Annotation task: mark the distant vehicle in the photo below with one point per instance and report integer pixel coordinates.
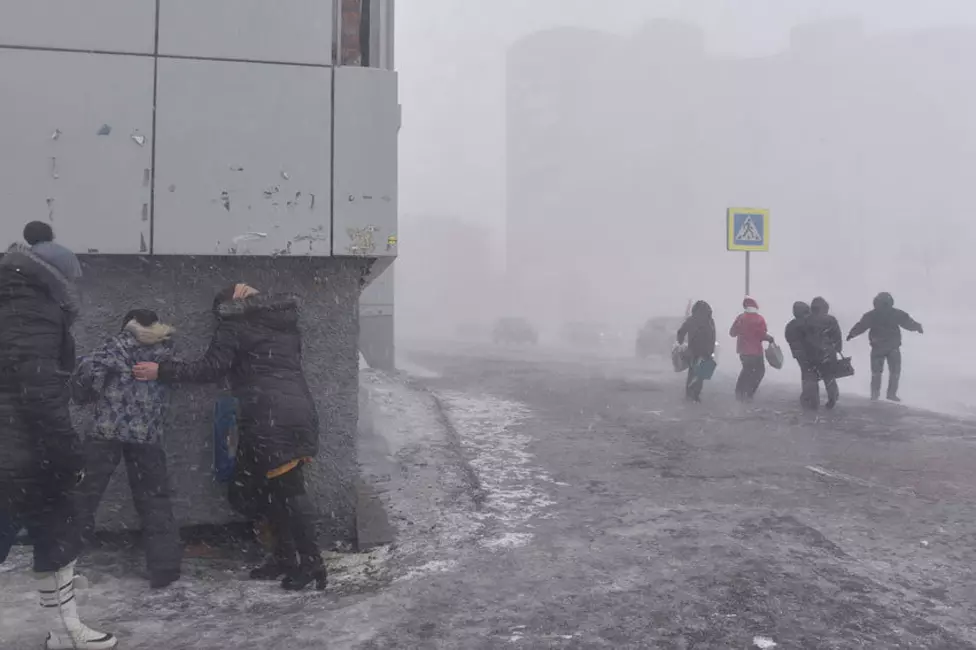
(588, 334)
(657, 336)
(514, 331)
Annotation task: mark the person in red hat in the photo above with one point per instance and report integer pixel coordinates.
(750, 332)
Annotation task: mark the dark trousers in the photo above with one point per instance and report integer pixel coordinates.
(877, 370)
(753, 371)
(47, 511)
(146, 467)
(285, 505)
(810, 376)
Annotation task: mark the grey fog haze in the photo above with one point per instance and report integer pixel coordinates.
(594, 149)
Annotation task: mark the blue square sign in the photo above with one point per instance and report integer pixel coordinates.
(747, 229)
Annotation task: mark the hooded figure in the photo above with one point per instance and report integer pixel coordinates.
(128, 422)
(257, 346)
(750, 332)
(41, 459)
(884, 324)
(824, 344)
(699, 329)
(795, 332)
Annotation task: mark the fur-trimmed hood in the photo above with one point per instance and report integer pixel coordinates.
(277, 311)
(39, 272)
(153, 335)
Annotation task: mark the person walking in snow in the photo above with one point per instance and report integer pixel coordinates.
(128, 424)
(750, 332)
(796, 338)
(884, 324)
(699, 330)
(258, 346)
(825, 344)
(41, 459)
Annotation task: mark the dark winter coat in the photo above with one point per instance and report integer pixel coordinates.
(126, 410)
(258, 347)
(795, 331)
(37, 353)
(699, 329)
(824, 341)
(884, 324)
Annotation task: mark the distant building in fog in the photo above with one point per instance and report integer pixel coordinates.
(623, 153)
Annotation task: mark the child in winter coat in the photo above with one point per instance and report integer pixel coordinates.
(750, 331)
(128, 423)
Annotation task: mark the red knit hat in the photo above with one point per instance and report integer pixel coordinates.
(750, 302)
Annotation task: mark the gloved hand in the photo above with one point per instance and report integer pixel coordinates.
(921, 330)
(850, 338)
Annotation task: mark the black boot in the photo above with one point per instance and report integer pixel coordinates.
(163, 579)
(271, 570)
(300, 578)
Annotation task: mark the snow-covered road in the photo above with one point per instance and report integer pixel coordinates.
(549, 502)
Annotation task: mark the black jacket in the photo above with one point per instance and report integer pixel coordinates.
(258, 347)
(824, 340)
(37, 352)
(699, 329)
(884, 324)
(796, 332)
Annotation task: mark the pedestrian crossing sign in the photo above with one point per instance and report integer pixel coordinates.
(748, 229)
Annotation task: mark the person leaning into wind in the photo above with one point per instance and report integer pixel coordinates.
(258, 346)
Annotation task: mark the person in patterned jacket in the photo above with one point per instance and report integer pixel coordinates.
(128, 422)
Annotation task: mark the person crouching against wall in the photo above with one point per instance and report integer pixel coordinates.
(128, 423)
(258, 346)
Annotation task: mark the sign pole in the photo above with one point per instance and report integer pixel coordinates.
(747, 230)
(748, 260)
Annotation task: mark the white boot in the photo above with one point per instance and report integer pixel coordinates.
(58, 594)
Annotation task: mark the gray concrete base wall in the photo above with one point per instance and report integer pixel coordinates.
(376, 341)
(181, 290)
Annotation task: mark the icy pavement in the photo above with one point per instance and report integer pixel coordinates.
(572, 504)
(456, 479)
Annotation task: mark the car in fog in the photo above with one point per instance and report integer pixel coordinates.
(658, 336)
(588, 334)
(514, 331)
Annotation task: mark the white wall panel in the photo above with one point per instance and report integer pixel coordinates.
(108, 25)
(54, 165)
(242, 159)
(367, 119)
(292, 31)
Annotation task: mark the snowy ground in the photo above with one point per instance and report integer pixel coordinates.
(548, 501)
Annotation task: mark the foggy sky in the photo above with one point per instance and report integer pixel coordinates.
(451, 56)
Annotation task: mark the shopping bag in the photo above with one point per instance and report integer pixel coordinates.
(225, 439)
(705, 369)
(837, 368)
(679, 357)
(774, 356)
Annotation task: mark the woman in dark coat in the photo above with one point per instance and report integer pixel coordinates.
(258, 346)
(41, 460)
(699, 329)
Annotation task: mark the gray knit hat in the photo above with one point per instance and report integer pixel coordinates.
(60, 258)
